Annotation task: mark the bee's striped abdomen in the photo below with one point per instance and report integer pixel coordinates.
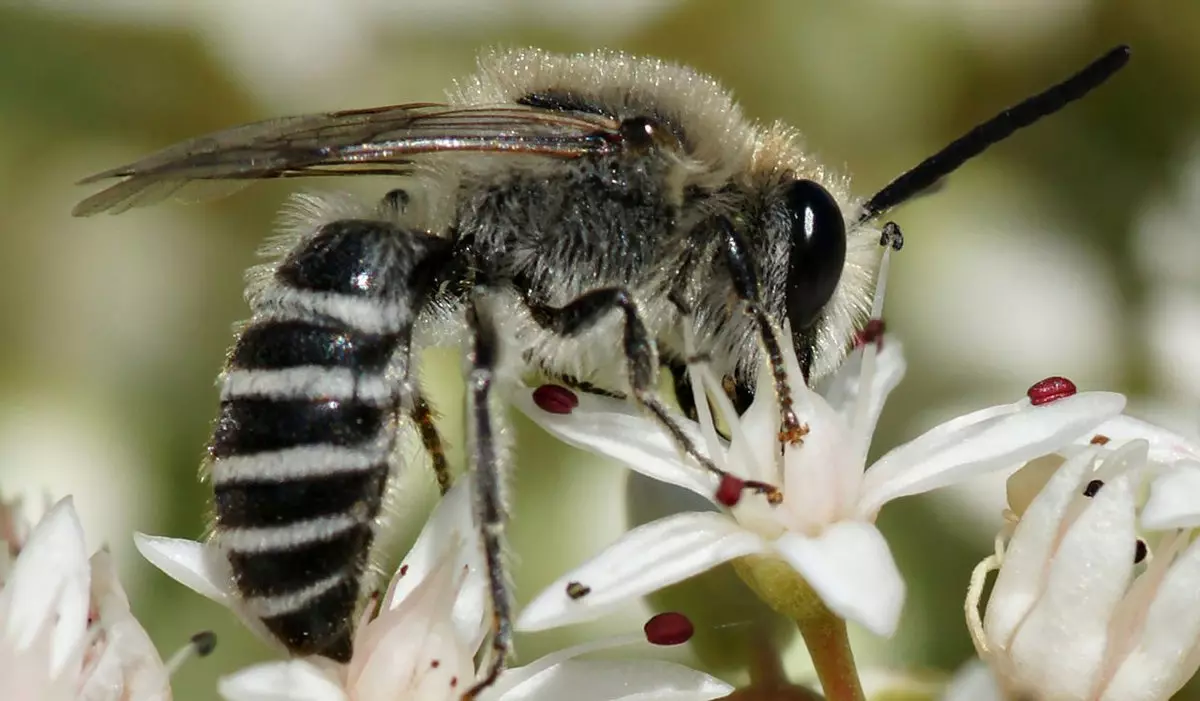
(300, 453)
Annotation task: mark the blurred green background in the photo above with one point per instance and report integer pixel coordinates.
(1070, 249)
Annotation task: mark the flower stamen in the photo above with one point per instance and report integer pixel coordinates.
(667, 629)
(704, 385)
(890, 240)
(555, 399)
(200, 645)
(1051, 389)
(1140, 551)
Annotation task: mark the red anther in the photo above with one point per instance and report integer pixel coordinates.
(729, 492)
(668, 629)
(555, 399)
(871, 332)
(1049, 390)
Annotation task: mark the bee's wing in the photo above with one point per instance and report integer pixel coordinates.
(380, 140)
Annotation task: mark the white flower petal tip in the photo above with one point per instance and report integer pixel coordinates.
(294, 680)
(986, 440)
(48, 588)
(851, 568)
(1166, 446)
(1174, 500)
(192, 564)
(644, 560)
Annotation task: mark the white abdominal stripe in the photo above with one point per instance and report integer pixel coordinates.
(308, 382)
(299, 463)
(282, 604)
(279, 302)
(290, 537)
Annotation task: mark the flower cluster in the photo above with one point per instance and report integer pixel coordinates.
(66, 631)
(1083, 607)
(822, 535)
(1093, 600)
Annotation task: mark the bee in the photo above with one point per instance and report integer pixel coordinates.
(564, 214)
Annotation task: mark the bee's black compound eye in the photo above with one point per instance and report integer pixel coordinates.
(639, 132)
(818, 251)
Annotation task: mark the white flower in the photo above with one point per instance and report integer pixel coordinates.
(1070, 617)
(422, 644)
(1174, 466)
(824, 528)
(65, 627)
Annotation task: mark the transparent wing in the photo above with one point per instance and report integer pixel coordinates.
(378, 141)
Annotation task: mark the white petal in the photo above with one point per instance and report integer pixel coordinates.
(451, 525)
(614, 429)
(48, 587)
(1165, 446)
(985, 440)
(973, 682)
(1160, 664)
(645, 559)
(194, 565)
(615, 680)
(822, 477)
(1174, 499)
(1027, 556)
(851, 567)
(294, 680)
(129, 658)
(1059, 648)
(841, 389)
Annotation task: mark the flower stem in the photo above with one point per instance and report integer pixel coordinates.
(829, 647)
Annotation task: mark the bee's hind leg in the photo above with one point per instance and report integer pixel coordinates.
(488, 497)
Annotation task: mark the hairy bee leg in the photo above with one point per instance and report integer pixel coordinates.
(641, 358)
(488, 495)
(745, 286)
(422, 415)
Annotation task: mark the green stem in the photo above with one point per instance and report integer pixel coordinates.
(829, 647)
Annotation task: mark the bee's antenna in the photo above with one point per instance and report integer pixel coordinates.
(929, 171)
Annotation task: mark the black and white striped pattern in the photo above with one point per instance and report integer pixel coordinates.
(299, 458)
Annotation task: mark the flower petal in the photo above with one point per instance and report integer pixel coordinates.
(1059, 648)
(1174, 498)
(973, 682)
(822, 476)
(1166, 446)
(615, 680)
(841, 389)
(128, 660)
(1027, 556)
(48, 587)
(851, 567)
(986, 440)
(194, 565)
(293, 680)
(450, 526)
(645, 559)
(1159, 664)
(614, 429)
